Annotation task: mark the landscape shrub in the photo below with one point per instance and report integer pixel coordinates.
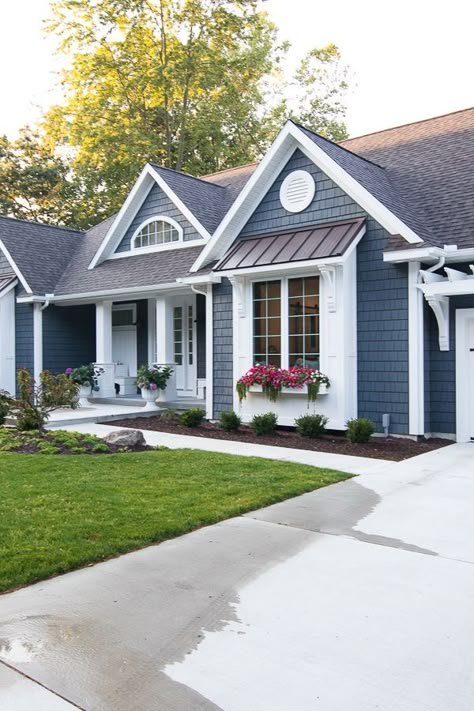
(229, 421)
(5, 406)
(360, 430)
(264, 424)
(192, 417)
(311, 425)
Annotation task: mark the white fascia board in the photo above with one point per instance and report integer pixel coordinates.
(87, 296)
(13, 265)
(451, 256)
(448, 288)
(159, 248)
(210, 278)
(289, 138)
(285, 268)
(132, 204)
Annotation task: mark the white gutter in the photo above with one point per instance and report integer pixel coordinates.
(450, 253)
(88, 295)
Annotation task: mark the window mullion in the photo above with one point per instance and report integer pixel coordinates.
(284, 323)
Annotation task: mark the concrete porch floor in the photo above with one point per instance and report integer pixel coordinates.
(108, 410)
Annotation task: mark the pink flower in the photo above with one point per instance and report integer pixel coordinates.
(68, 371)
(153, 386)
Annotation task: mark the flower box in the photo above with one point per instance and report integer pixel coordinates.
(323, 390)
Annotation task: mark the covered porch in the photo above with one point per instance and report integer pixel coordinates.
(123, 331)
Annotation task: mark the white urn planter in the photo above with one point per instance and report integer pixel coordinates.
(84, 393)
(150, 397)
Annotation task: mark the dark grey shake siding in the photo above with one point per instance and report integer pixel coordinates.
(24, 335)
(68, 337)
(223, 354)
(382, 304)
(441, 368)
(201, 335)
(157, 203)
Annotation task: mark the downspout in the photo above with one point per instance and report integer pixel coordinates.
(206, 290)
(38, 336)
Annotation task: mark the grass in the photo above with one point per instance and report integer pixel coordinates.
(59, 513)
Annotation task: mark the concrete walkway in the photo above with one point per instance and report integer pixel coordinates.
(340, 462)
(356, 597)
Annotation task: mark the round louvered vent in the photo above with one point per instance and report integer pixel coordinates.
(297, 191)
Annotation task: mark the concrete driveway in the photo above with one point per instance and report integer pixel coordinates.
(356, 597)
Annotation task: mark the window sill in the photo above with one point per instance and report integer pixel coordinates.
(323, 390)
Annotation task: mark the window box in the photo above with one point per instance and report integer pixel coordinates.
(323, 390)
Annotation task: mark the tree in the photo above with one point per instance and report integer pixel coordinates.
(195, 85)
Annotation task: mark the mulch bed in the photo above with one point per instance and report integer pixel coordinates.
(392, 448)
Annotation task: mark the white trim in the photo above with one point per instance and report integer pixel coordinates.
(463, 403)
(147, 178)
(448, 288)
(156, 247)
(159, 248)
(15, 268)
(7, 340)
(37, 341)
(416, 383)
(151, 330)
(450, 253)
(8, 288)
(290, 138)
(124, 293)
(210, 352)
(126, 307)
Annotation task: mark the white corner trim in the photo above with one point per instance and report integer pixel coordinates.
(416, 380)
(147, 178)
(440, 306)
(15, 268)
(290, 138)
(463, 316)
(37, 341)
(7, 340)
(7, 289)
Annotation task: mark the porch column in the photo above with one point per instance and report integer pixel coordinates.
(37, 341)
(103, 324)
(164, 344)
(416, 369)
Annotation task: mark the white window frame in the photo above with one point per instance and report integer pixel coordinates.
(284, 313)
(126, 307)
(157, 247)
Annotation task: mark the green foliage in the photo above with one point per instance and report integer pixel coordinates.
(29, 417)
(85, 374)
(264, 424)
(169, 415)
(192, 417)
(154, 378)
(57, 390)
(311, 425)
(360, 430)
(57, 516)
(35, 402)
(38, 441)
(5, 405)
(229, 421)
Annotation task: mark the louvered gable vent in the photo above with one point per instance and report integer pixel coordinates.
(297, 191)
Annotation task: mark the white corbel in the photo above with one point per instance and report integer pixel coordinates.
(238, 293)
(328, 274)
(440, 306)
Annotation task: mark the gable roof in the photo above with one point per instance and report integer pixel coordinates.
(432, 161)
(41, 253)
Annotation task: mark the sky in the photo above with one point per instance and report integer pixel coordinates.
(410, 60)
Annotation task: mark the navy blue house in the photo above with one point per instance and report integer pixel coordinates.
(355, 258)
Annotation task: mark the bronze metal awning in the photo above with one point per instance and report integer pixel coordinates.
(309, 242)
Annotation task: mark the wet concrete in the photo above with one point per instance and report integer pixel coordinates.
(359, 596)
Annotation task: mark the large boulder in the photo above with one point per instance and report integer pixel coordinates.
(133, 439)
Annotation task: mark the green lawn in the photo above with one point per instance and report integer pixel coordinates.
(58, 513)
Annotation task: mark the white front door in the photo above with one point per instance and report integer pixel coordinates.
(124, 347)
(184, 345)
(465, 375)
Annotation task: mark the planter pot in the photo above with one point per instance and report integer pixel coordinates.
(84, 393)
(150, 397)
(323, 390)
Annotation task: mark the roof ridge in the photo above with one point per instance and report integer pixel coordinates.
(186, 175)
(228, 170)
(343, 148)
(41, 224)
(409, 123)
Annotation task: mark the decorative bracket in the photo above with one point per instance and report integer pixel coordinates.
(440, 306)
(328, 274)
(238, 293)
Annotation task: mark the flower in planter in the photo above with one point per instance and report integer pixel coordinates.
(85, 375)
(272, 380)
(153, 378)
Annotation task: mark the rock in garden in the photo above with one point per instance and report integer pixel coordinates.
(126, 438)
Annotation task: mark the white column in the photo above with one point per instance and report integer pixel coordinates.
(103, 325)
(37, 341)
(209, 353)
(164, 345)
(416, 381)
(151, 330)
(7, 341)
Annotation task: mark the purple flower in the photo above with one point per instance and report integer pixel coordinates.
(68, 371)
(153, 386)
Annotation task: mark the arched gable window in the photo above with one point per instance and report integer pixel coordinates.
(157, 231)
